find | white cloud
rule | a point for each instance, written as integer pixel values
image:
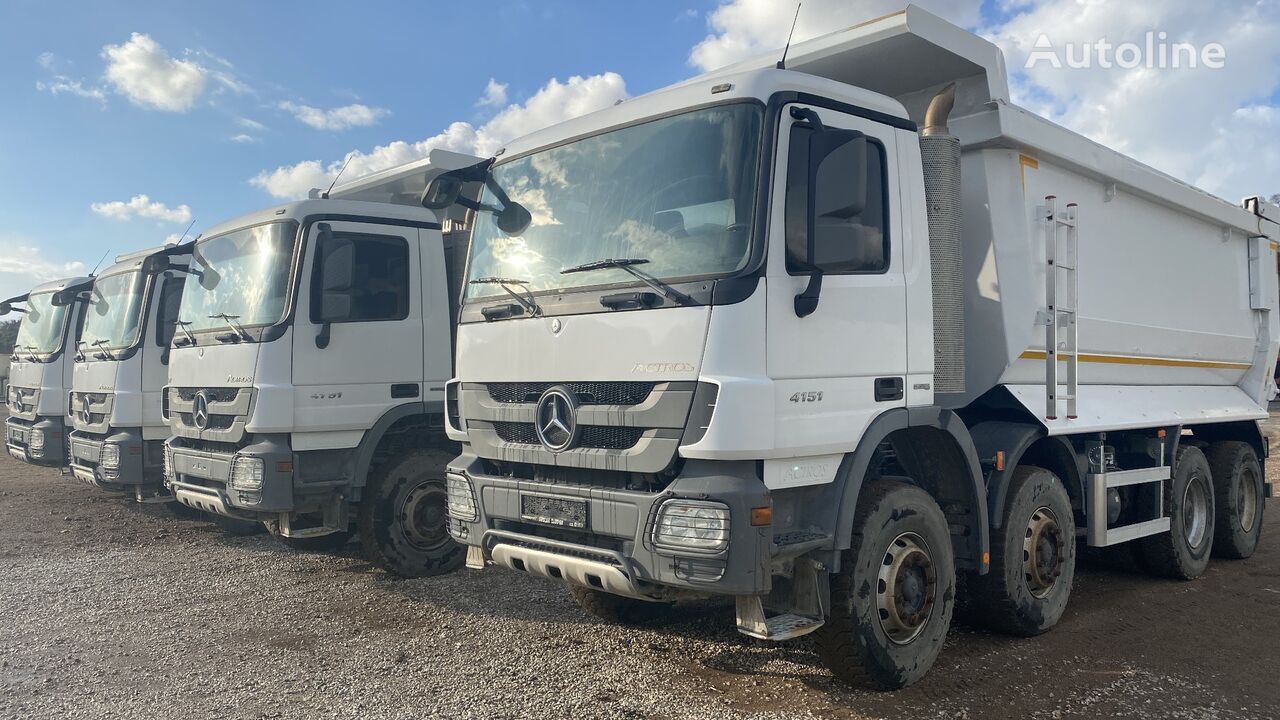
(555, 102)
(142, 206)
(245, 138)
(250, 124)
(743, 29)
(142, 71)
(495, 94)
(61, 84)
(23, 266)
(340, 118)
(1206, 126)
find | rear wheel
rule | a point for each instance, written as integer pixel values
(616, 609)
(1183, 552)
(404, 517)
(1033, 557)
(319, 543)
(892, 600)
(1238, 499)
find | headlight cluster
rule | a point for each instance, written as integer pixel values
(247, 473)
(168, 462)
(692, 525)
(35, 442)
(462, 501)
(109, 457)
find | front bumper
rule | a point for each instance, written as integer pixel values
(18, 440)
(201, 479)
(615, 551)
(136, 467)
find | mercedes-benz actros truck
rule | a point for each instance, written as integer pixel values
(823, 335)
(307, 373)
(40, 369)
(121, 366)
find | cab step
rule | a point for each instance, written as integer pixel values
(798, 612)
(794, 544)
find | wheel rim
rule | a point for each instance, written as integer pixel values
(424, 516)
(1044, 552)
(907, 588)
(1248, 499)
(1195, 511)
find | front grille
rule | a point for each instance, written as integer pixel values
(205, 446)
(588, 393)
(222, 395)
(216, 422)
(596, 437)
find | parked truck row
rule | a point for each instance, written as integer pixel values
(819, 336)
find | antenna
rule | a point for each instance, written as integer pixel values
(347, 162)
(99, 264)
(184, 232)
(782, 64)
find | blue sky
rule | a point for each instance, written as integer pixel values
(97, 111)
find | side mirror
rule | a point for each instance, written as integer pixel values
(837, 158)
(63, 298)
(156, 264)
(514, 219)
(5, 308)
(209, 278)
(442, 191)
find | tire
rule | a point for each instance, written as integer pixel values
(236, 527)
(1183, 552)
(897, 525)
(319, 543)
(1238, 497)
(617, 610)
(403, 523)
(1033, 558)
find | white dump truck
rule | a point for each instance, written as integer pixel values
(121, 368)
(40, 369)
(306, 378)
(821, 335)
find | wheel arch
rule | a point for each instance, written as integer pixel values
(394, 423)
(1026, 444)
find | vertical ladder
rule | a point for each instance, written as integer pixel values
(1061, 292)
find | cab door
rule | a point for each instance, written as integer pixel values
(839, 366)
(358, 331)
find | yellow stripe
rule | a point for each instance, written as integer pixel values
(1131, 360)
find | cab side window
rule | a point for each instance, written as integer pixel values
(167, 313)
(852, 242)
(360, 278)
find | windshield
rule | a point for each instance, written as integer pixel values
(679, 192)
(113, 316)
(40, 331)
(244, 274)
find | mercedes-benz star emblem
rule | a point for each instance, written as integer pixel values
(86, 410)
(200, 410)
(557, 419)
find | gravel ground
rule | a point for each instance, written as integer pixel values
(112, 609)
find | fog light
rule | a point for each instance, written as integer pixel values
(247, 473)
(35, 442)
(692, 525)
(109, 457)
(462, 502)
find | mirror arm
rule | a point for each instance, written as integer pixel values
(809, 116)
(807, 301)
(322, 337)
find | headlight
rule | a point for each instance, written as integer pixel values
(168, 462)
(109, 458)
(246, 474)
(35, 442)
(692, 525)
(462, 502)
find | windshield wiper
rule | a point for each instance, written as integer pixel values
(237, 328)
(626, 264)
(527, 302)
(102, 350)
(182, 325)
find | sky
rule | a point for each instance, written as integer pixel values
(124, 122)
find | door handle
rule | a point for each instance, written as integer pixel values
(888, 389)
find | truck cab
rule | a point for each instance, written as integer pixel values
(306, 377)
(120, 370)
(40, 370)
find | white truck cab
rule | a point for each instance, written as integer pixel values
(40, 369)
(120, 370)
(823, 337)
(306, 377)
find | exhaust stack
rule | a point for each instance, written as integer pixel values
(940, 157)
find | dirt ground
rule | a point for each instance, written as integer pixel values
(112, 609)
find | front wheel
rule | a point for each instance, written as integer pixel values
(892, 600)
(404, 518)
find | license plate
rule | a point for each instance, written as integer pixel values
(554, 511)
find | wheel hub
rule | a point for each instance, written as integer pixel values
(1044, 552)
(424, 515)
(906, 588)
(1195, 511)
